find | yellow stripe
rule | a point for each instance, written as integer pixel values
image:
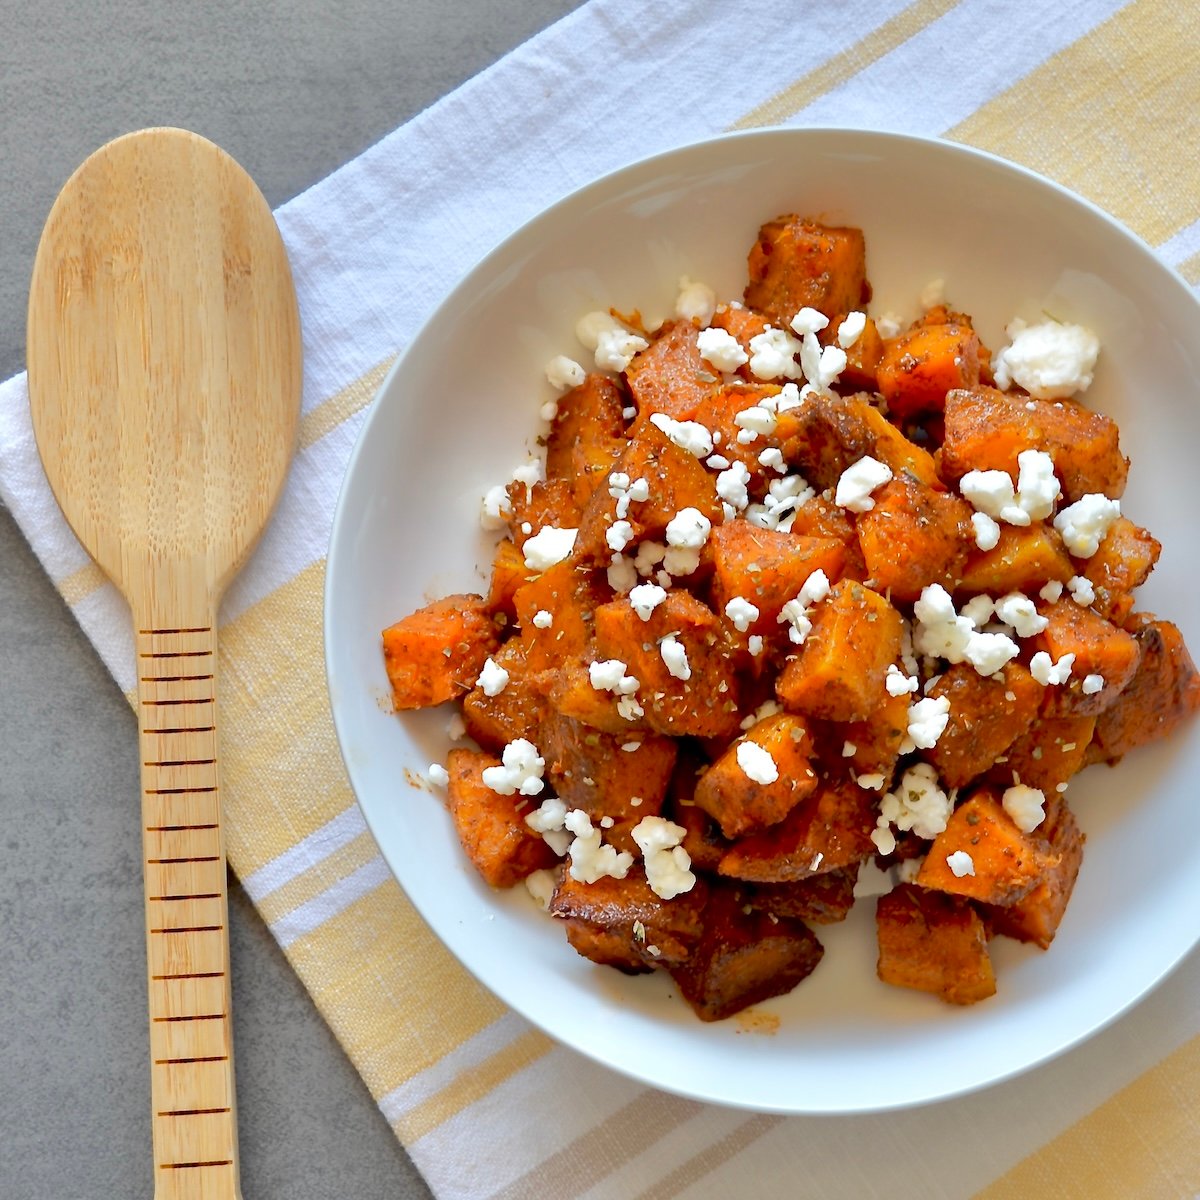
(1190, 268)
(319, 878)
(80, 584)
(329, 414)
(1125, 101)
(844, 66)
(392, 993)
(1141, 1144)
(468, 1088)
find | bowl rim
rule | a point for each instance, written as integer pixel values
(448, 303)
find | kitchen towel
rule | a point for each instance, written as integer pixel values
(1099, 95)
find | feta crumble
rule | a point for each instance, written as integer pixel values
(616, 349)
(753, 422)
(1019, 611)
(645, 598)
(1092, 684)
(591, 859)
(756, 763)
(696, 301)
(591, 325)
(543, 618)
(933, 294)
(540, 885)
(755, 645)
(1037, 485)
(618, 535)
(796, 611)
(810, 320)
(960, 864)
(563, 372)
(731, 485)
(548, 546)
(689, 528)
(438, 775)
(773, 355)
(742, 613)
(988, 652)
(899, 684)
(1081, 589)
(687, 435)
(520, 770)
(1025, 806)
(927, 720)
(851, 329)
(720, 348)
(1052, 591)
(675, 657)
(1049, 673)
(493, 679)
(987, 531)
(668, 864)
(1084, 524)
(1049, 360)
(608, 675)
(857, 483)
(496, 508)
(919, 804)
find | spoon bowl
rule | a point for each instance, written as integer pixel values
(164, 380)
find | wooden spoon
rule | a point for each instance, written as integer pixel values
(164, 381)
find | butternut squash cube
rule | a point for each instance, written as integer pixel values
(1100, 648)
(918, 367)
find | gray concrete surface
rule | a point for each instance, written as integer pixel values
(291, 88)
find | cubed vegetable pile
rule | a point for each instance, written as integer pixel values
(796, 595)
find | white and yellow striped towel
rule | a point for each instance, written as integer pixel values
(1101, 95)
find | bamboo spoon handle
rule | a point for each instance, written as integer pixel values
(193, 1115)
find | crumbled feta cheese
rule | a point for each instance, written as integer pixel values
(624, 492)
(591, 325)
(756, 763)
(849, 749)
(496, 508)
(851, 329)
(755, 645)
(591, 859)
(696, 301)
(873, 782)
(858, 481)
(543, 618)
(899, 684)
(889, 324)
(960, 864)
(773, 355)
(717, 462)
(1049, 360)
(789, 397)
(548, 817)
(1024, 805)
(987, 532)
(622, 574)
(1052, 591)
(978, 610)
(456, 727)
(630, 747)
(687, 435)
(988, 652)
(1047, 672)
(618, 535)
(1081, 589)
(668, 865)
(742, 613)
(549, 410)
(772, 457)
(1037, 485)
(918, 804)
(629, 412)
(564, 372)
(938, 631)
(615, 349)
(933, 294)
(493, 678)
(720, 348)
(681, 560)
(438, 775)
(821, 364)
(731, 485)
(927, 720)
(809, 320)
(1092, 684)
(548, 546)
(608, 675)
(796, 611)
(753, 422)
(520, 770)
(1084, 524)
(768, 708)
(992, 492)
(541, 884)
(1016, 609)
(675, 657)
(628, 709)
(689, 528)
(645, 598)
(649, 555)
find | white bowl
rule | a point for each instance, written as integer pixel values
(458, 413)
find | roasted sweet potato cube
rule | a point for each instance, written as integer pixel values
(1123, 562)
(1025, 559)
(740, 804)
(987, 714)
(986, 429)
(718, 412)
(621, 923)
(703, 841)
(677, 480)
(590, 770)
(913, 537)
(592, 462)
(670, 376)
(824, 519)
(918, 367)
(1163, 693)
(862, 357)
(515, 712)
(743, 323)
(876, 741)
(509, 573)
(1007, 863)
(1037, 915)
(933, 943)
(705, 704)
(823, 899)
(492, 827)
(797, 263)
(436, 653)
(768, 568)
(570, 594)
(1048, 753)
(834, 433)
(571, 693)
(1100, 648)
(743, 958)
(547, 502)
(588, 414)
(838, 674)
(831, 829)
